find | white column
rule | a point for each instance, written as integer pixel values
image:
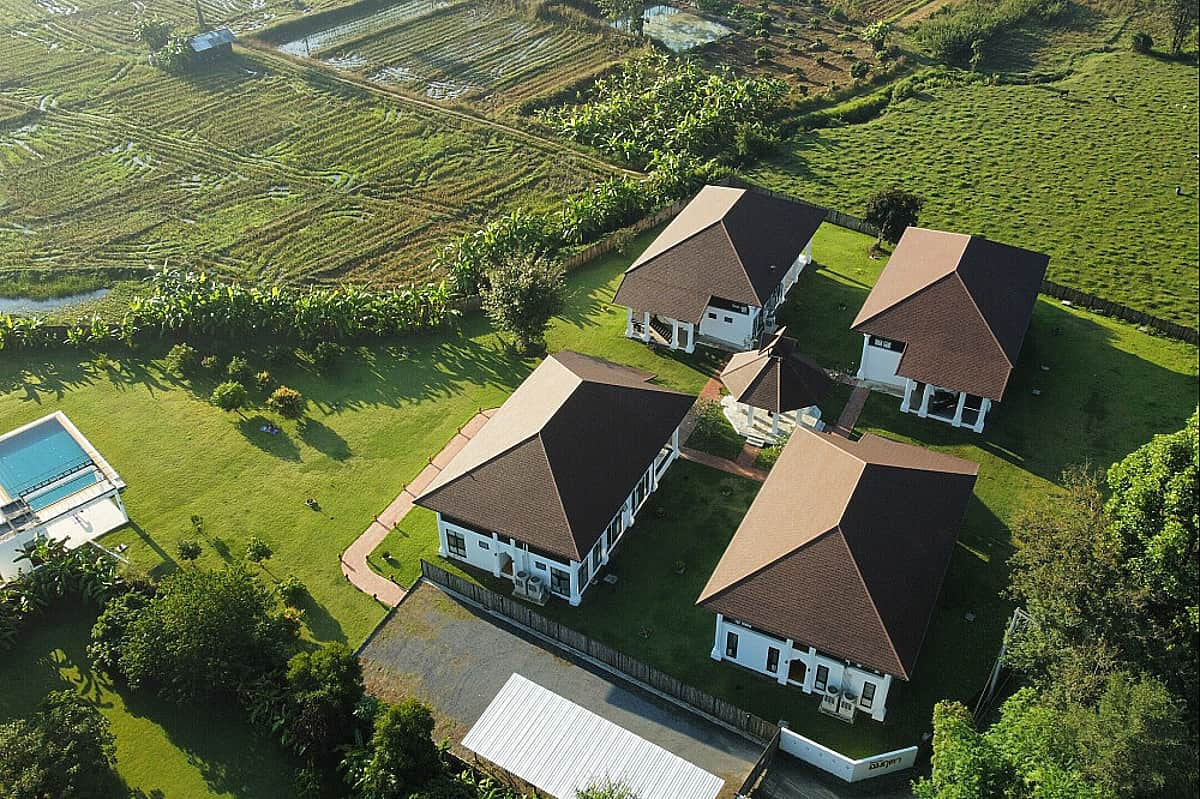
(924, 411)
(628, 323)
(808, 251)
(443, 547)
(718, 652)
(810, 670)
(984, 407)
(674, 335)
(690, 329)
(958, 412)
(774, 425)
(862, 362)
(906, 405)
(646, 326)
(785, 663)
(675, 443)
(879, 707)
(496, 556)
(576, 594)
(750, 416)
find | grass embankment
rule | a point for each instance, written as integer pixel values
(1085, 179)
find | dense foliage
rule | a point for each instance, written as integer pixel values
(657, 105)
(1181, 17)
(229, 396)
(64, 750)
(1131, 743)
(82, 574)
(521, 295)
(1109, 585)
(400, 755)
(893, 211)
(195, 303)
(960, 33)
(204, 633)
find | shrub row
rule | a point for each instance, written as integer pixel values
(960, 34)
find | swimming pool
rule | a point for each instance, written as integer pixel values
(64, 489)
(38, 456)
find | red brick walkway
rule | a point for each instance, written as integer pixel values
(853, 409)
(354, 559)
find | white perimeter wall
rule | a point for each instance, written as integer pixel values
(841, 766)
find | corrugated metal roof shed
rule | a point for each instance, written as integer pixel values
(559, 747)
(210, 39)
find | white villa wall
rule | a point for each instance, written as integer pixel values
(731, 327)
(879, 365)
(841, 766)
(752, 654)
(484, 550)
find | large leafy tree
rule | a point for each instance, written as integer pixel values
(1182, 16)
(65, 750)
(400, 756)
(204, 633)
(892, 211)
(1132, 743)
(523, 293)
(322, 689)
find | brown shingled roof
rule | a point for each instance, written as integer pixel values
(734, 244)
(555, 462)
(845, 547)
(775, 377)
(961, 305)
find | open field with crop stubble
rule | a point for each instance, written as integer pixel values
(1087, 179)
(494, 54)
(255, 170)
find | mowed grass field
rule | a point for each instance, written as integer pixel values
(263, 170)
(1088, 180)
(494, 55)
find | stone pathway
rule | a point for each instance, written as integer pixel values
(354, 559)
(854, 408)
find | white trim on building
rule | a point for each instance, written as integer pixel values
(514, 560)
(881, 359)
(846, 689)
(723, 324)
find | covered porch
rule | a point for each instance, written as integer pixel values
(957, 408)
(661, 330)
(772, 390)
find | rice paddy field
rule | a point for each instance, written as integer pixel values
(491, 53)
(249, 168)
(1103, 178)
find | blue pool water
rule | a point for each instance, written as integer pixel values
(38, 457)
(63, 489)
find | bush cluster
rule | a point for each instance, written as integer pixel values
(960, 34)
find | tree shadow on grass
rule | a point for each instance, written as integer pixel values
(167, 564)
(323, 626)
(324, 439)
(219, 742)
(279, 444)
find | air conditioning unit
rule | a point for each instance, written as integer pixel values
(519, 580)
(535, 589)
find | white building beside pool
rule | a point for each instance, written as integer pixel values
(53, 484)
(546, 490)
(831, 579)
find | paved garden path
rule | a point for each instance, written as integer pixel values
(354, 559)
(853, 409)
(741, 468)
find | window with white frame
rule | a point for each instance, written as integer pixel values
(456, 544)
(731, 644)
(560, 582)
(868, 695)
(822, 679)
(772, 660)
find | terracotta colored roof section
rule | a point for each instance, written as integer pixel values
(961, 305)
(845, 547)
(775, 377)
(734, 244)
(555, 462)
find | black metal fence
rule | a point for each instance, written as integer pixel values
(631, 667)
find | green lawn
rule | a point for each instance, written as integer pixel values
(1086, 180)
(1108, 389)
(373, 424)
(713, 432)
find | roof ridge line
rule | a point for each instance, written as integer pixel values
(979, 311)
(636, 266)
(766, 565)
(905, 298)
(558, 493)
(887, 633)
(742, 266)
(427, 492)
